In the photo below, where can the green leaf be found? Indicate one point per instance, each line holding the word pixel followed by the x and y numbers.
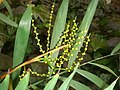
pixel 7 20
pixel 93 78
pixel 85 24
pixel 51 84
pixel 60 22
pixel 66 83
pixel 21 39
pixel 8 7
pixel 24 82
pixel 116 48
pixel 104 67
pixel 4 85
pixel 111 86
pixel 59 25
pixel 76 85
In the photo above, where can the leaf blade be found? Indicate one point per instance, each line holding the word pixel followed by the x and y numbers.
pixel 8 7
pixel 104 67
pixel 23 83
pixel 116 49
pixel 59 27
pixel 7 20
pixel 21 39
pixel 76 85
pixel 59 23
pixel 93 78
pixel 51 84
pixel 66 83
pixel 85 24
pixel 4 85
pixel 111 86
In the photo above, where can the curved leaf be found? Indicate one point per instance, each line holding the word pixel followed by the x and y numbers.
pixel 51 84
pixel 93 78
pixel 4 85
pixel 104 67
pixel 22 85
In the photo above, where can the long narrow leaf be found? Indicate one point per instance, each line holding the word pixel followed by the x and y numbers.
pixel 51 84
pixel 66 83
pixel 112 85
pixel 76 85
pixel 4 85
pixel 8 7
pixel 7 20
pixel 59 25
pixel 116 49
pixel 21 39
pixel 104 67
pixel 83 27
pixel 22 85
pixel 93 78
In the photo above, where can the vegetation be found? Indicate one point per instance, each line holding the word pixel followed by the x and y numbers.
pixel 55 51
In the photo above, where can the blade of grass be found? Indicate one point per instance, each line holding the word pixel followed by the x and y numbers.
pixel 66 83
pixel 116 48
pixel 4 85
pixel 23 84
pixel 8 7
pixel 76 85
pixel 51 84
pixel 104 67
pixel 21 39
pixel 7 20
pixel 83 27
pixel 112 85
pixel 93 78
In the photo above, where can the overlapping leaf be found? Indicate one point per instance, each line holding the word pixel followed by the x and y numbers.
pixel 59 25
pixel 76 85
pixel 22 85
pixel 85 24
pixel 7 20
pixel 66 83
pixel 51 84
pixel 4 85
pixel 21 39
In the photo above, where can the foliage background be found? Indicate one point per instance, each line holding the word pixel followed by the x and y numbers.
pixel 105 30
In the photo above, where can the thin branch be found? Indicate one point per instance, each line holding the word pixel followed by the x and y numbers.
pixel 31 61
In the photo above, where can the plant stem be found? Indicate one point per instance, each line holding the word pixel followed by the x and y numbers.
pixel 31 61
